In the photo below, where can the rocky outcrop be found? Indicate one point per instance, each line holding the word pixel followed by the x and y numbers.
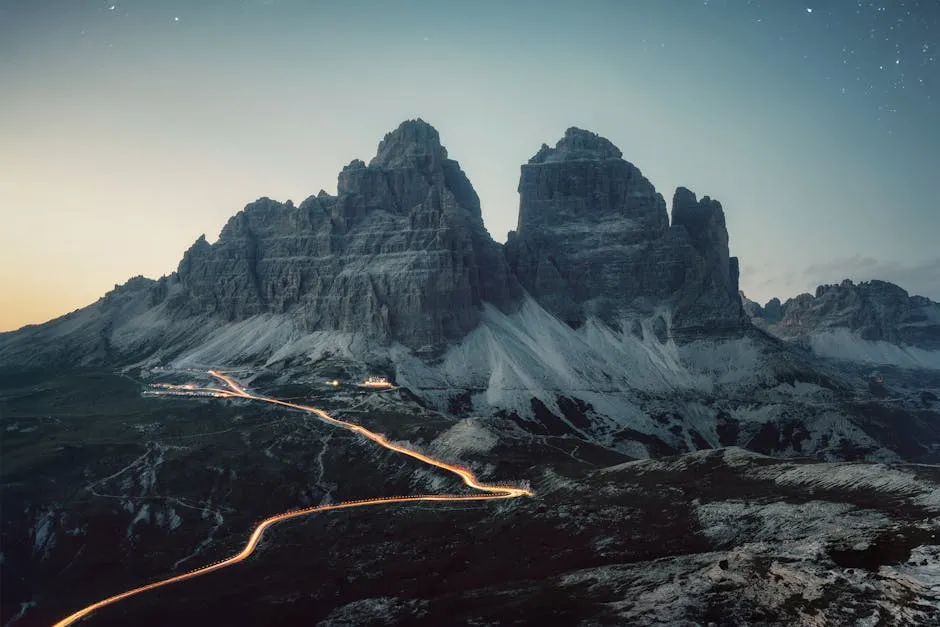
pixel 709 298
pixel 400 253
pixel 773 310
pixel 594 239
pixel 751 308
pixel 874 310
pixel 765 316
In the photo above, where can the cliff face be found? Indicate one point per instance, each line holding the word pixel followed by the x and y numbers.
pixel 709 299
pixel 601 318
pixel 400 253
pixel 594 239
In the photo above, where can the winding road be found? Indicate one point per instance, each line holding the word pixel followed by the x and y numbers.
pixel 234 390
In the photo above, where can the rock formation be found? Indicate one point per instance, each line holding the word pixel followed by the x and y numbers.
pixel 773 310
pixel 594 239
pixel 751 308
pixel 400 253
pixel 874 310
pixel 400 257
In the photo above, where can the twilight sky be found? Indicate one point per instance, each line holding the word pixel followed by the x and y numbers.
pixel 130 127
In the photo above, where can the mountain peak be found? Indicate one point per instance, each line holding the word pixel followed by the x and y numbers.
pixel 413 142
pixel 578 145
pixel 594 241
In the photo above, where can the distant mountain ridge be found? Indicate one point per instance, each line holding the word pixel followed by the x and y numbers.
pixel 873 321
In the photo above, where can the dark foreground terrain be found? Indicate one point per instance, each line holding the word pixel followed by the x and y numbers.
pixel 106 488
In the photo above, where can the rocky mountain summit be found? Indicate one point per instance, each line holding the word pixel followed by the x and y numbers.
pixel 603 318
pixel 872 321
pixel 594 239
pixel 400 253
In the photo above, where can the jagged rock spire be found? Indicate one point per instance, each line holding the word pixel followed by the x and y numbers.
pixel 413 143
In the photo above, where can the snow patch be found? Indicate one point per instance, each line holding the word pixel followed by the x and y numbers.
pixel 135 329
pixel 25 606
pixel 143 515
pixel 844 344
pixel 467 436
pixel 551 481
pixel 853 476
pixel 274 338
pixel 728 362
pixel 43 535
pixel 509 359
pixel 921 572
pixel 174 519
pixel 732 522
pixel 250 338
pixel 664 464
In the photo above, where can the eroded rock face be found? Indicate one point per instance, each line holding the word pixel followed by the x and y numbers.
pixel 876 310
pixel 594 239
pixel 709 299
pixel 400 253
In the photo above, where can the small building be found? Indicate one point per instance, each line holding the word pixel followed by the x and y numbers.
pixel 376 382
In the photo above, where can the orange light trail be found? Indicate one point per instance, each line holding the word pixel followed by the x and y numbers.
pixel 236 391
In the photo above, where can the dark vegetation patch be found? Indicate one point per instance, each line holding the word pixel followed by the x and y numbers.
pixel 878 390
pixel 460 404
pixel 727 428
pixel 465 560
pixel 779 436
pixel 654 445
pixel 243 458
pixel 887 549
pixel 575 410
pixel 662 418
pixel 550 423
pixel 699 441
pixel 905 431
pixel 489 562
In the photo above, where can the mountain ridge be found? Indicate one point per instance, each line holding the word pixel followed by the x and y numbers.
pixel 602 318
pixel 414 210
pixel 871 321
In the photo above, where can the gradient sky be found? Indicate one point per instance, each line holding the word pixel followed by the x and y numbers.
pixel 131 127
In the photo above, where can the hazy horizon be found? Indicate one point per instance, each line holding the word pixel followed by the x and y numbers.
pixel 132 127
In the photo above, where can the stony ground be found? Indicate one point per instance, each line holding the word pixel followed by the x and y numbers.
pixel 105 488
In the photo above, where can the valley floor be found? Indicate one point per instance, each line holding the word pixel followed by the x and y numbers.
pixel 105 488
